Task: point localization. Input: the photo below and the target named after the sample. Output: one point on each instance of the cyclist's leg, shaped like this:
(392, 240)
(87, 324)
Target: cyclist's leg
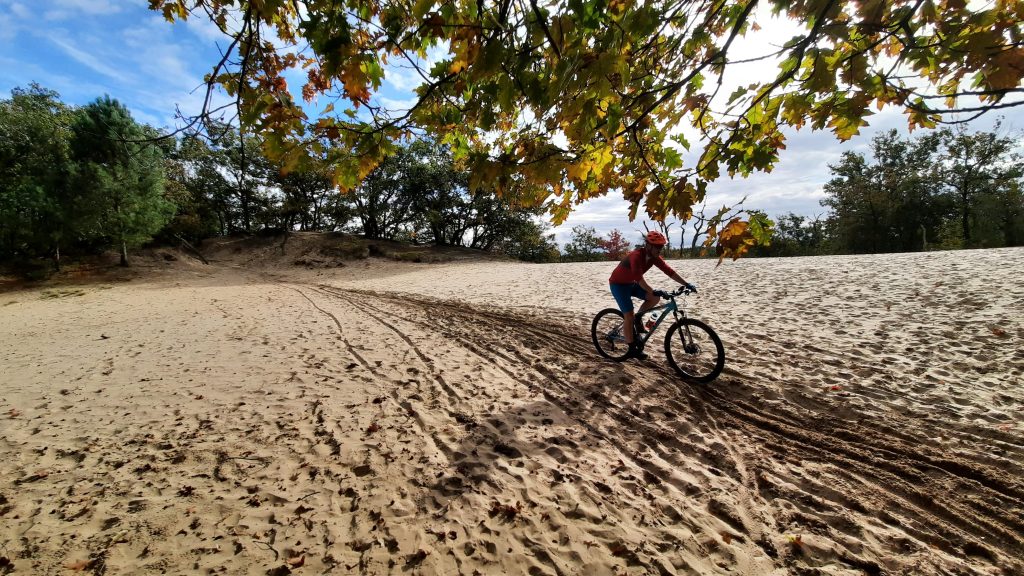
(648, 302)
(623, 297)
(640, 294)
(636, 347)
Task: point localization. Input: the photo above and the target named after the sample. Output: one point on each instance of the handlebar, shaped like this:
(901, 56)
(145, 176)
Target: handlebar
(684, 289)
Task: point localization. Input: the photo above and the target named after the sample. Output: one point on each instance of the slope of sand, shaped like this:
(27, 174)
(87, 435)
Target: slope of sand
(454, 419)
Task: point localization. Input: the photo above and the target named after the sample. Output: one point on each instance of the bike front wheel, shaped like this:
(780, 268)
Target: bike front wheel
(694, 350)
(608, 335)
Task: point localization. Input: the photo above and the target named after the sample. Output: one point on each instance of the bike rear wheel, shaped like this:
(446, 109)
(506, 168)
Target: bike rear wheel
(694, 350)
(608, 334)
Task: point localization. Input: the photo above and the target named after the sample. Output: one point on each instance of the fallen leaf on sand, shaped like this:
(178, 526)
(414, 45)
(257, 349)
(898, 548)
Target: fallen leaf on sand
(508, 511)
(297, 561)
(998, 331)
(78, 565)
(373, 428)
(14, 413)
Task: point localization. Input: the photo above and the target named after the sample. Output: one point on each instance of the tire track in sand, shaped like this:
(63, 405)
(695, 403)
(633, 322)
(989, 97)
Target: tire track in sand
(912, 489)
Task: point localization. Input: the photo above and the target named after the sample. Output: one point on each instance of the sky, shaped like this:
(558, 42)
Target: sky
(85, 49)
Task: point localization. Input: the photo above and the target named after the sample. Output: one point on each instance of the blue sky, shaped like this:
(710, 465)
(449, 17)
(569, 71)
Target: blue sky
(84, 49)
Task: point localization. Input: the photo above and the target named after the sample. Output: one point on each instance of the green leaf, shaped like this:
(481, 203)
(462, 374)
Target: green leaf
(736, 94)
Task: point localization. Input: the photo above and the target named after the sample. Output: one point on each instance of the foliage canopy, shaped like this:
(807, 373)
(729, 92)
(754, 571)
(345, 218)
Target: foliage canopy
(561, 101)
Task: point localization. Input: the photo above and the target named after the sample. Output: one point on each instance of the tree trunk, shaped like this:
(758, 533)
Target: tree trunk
(56, 257)
(246, 220)
(966, 221)
(124, 244)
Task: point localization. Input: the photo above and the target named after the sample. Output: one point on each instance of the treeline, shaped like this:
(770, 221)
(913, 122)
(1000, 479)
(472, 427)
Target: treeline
(416, 195)
(76, 180)
(947, 189)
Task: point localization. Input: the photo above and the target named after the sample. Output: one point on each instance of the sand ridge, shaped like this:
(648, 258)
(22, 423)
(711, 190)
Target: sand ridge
(442, 419)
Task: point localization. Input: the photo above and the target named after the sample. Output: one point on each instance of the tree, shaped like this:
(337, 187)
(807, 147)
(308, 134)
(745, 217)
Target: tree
(444, 209)
(584, 246)
(615, 245)
(947, 188)
(308, 199)
(980, 169)
(383, 201)
(1010, 214)
(202, 193)
(703, 222)
(493, 218)
(120, 177)
(528, 240)
(36, 216)
(571, 100)
(795, 235)
(890, 204)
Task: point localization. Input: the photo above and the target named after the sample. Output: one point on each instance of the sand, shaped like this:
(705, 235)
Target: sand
(387, 417)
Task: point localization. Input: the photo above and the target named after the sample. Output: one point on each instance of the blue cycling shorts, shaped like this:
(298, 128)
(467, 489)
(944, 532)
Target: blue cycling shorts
(624, 294)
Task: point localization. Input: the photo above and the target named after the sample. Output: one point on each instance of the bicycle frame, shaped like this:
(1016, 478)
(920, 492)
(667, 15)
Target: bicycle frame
(668, 307)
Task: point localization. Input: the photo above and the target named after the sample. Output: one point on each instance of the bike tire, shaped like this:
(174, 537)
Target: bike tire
(602, 332)
(703, 360)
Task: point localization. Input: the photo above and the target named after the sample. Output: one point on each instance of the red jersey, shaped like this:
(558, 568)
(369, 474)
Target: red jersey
(634, 265)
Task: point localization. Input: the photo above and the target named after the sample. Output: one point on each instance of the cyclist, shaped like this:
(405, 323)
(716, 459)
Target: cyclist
(627, 282)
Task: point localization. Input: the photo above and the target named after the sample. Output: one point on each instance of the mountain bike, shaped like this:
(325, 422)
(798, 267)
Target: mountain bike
(691, 346)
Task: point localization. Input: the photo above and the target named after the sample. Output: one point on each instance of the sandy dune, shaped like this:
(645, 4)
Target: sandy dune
(455, 419)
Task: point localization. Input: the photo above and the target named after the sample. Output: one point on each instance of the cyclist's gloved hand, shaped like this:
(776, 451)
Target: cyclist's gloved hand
(690, 287)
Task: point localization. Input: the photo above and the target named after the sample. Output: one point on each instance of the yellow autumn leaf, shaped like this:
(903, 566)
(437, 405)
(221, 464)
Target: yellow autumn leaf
(578, 170)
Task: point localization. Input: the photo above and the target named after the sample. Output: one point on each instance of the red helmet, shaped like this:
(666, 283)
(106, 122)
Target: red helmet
(656, 238)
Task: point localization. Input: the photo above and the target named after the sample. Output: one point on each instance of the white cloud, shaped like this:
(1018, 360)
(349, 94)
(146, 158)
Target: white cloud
(397, 106)
(152, 52)
(402, 75)
(7, 28)
(402, 78)
(66, 8)
(88, 59)
(21, 11)
(206, 30)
